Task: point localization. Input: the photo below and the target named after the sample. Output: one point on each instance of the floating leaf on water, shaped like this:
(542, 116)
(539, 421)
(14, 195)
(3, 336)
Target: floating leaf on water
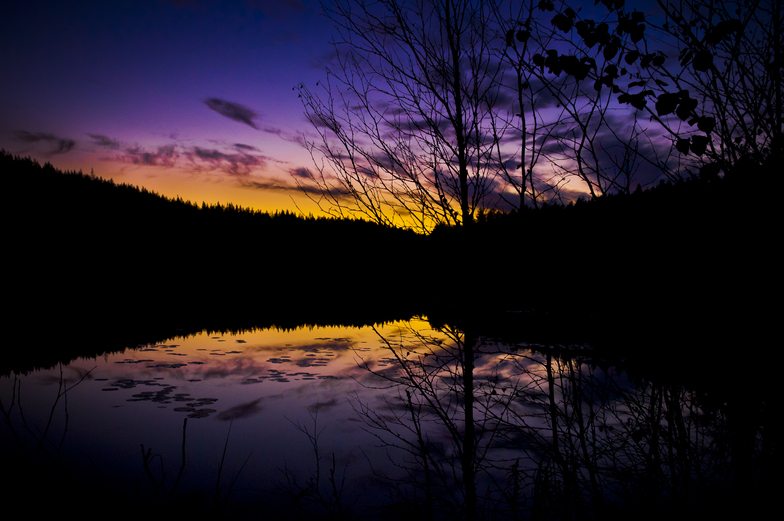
(109, 389)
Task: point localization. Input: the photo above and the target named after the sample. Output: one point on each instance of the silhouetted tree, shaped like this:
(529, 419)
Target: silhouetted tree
(727, 82)
(419, 120)
(404, 120)
(713, 71)
(563, 114)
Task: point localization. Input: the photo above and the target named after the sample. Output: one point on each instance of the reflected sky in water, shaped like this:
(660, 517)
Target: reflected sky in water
(267, 385)
(387, 402)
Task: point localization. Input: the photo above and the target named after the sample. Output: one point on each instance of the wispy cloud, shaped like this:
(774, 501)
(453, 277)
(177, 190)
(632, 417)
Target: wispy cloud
(278, 186)
(270, 185)
(285, 136)
(234, 159)
(318, 121)
(105, 141)
(302, 173)
(164, 156)
(59, 145)
(234, 111)
(240, 164)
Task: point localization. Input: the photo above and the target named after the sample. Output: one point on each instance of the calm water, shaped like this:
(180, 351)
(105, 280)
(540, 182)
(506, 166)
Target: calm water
(384, 408)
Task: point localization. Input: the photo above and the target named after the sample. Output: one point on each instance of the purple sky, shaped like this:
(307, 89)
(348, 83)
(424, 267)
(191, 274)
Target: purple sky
(190, 98)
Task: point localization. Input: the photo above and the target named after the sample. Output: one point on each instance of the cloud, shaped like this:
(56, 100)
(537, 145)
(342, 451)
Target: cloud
(302, 173)
(165, 156)
(308, 189)
(317, 121)
(270, 185)
(235, 111)
(239, 164)
(105, 141)
(286, 136)
(60, 145)
(238, 160)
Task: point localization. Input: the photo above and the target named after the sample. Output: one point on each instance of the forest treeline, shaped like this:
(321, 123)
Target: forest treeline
(88, 249)
(97, 206)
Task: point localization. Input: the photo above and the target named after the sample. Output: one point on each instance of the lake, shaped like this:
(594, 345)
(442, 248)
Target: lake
(404, 419)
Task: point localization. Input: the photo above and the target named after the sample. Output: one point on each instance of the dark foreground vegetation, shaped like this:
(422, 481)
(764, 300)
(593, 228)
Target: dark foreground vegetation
(681, 272)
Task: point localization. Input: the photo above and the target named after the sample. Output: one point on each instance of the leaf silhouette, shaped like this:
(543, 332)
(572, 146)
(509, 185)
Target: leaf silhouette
(703, 61)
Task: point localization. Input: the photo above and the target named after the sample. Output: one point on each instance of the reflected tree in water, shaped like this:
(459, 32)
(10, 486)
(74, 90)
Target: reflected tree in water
(482, 430)
(36, 442)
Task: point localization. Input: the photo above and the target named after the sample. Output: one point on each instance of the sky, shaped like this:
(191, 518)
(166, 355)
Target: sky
(188, 98)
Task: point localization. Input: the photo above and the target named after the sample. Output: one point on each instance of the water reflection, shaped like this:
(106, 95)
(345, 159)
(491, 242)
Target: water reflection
(393, 420)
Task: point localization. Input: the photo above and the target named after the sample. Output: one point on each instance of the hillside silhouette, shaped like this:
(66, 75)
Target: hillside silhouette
(88, 252)
(686, 266)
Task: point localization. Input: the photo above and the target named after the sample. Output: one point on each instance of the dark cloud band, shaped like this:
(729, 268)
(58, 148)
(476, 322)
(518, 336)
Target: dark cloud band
(105, 141)
(60, 145)
(234, 111)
